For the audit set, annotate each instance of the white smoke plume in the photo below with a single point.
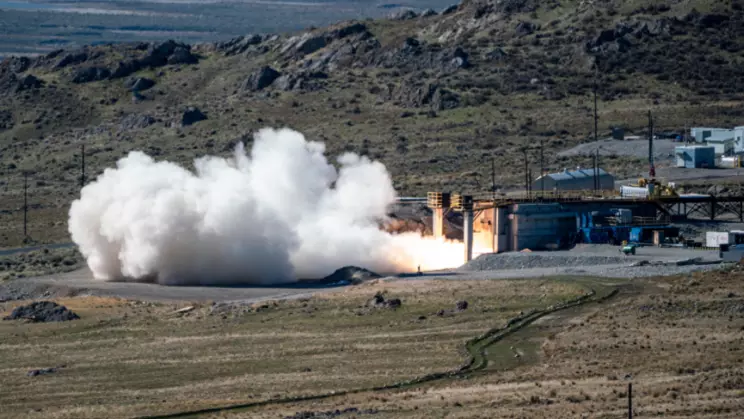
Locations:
(280, 214)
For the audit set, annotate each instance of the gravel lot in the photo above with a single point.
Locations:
(663, 149)
(490, 262)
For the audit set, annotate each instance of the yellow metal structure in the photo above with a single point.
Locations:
(435, 200)
(657, 189)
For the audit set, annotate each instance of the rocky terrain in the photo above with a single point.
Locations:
(435, 96)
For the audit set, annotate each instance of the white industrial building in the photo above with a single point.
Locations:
(702, 135)
(722, 146)
(738, 140)
(723, 140)
(580, 179)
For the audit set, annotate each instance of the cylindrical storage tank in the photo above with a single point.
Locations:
(633, 192)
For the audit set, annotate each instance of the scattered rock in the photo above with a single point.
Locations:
(261, 79)
(42, 311)
(352, 274)
(407, 14)
(71, 59)
(301, 81)
(136, 121)
(525, 28)
(90, 74)
(449, 9)
(497, 54)
(332, 413)
(139, 84)
(43, 371)
(191, 116)
(239, 45)
(379, 301)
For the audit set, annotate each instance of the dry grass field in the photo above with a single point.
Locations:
(126, 358)
(679, 342)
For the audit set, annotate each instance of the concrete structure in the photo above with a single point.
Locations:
(467, 233)
(581, 179)
(722, 146)
(739, 140)
(545, 226)
(695, 157)
(701, 134)
(439, 202)
(618, 133)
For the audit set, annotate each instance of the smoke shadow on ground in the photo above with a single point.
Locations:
(427, 274)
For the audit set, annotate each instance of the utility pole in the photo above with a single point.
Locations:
(597, 185)
(596, 117)
(493, 178)
(542, 168)
(651, 168)
(526, 171)
(82, 166)
(25, 205)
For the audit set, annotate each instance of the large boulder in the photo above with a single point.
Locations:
(351, 274)
(182, 55)
(29, 82)
(42, 311)
(139, 84)
(89, 74)
(18, 64)
(311, 44)
(191, 116)
(126, 68)
(71, 59)
(6, 119)
(525, 28)
(449, 9)
(261, 79)
(348, 30)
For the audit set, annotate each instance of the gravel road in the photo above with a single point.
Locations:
(584, 260)
(81, 282)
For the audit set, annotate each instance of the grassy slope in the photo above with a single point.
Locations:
(502, 109)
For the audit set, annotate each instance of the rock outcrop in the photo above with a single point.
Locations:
(261, 79)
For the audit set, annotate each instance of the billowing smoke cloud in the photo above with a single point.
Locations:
(280, 214)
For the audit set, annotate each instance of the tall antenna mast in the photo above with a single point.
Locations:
(651, 168)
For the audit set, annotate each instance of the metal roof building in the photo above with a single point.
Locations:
(580, 179)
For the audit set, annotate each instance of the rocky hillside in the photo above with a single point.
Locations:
(434, 95)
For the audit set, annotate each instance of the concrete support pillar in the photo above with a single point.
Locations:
(467, 233)
(437, 222)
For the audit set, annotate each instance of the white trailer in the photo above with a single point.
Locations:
(716, 238)
(633, 192)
